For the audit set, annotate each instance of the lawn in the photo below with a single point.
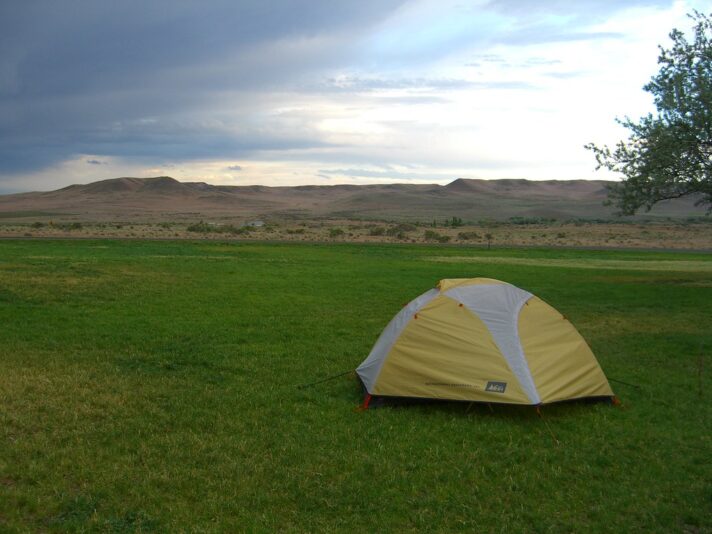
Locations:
(152, 387)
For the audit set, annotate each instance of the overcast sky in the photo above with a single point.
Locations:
(283, 92)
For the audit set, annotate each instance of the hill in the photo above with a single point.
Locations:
(164, 197)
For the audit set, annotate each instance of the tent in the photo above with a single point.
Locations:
(481, 340)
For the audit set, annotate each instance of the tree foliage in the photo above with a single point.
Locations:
(669, 154)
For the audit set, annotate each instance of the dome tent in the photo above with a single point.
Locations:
(482, 340)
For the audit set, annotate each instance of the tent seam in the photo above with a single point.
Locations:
(520, 349)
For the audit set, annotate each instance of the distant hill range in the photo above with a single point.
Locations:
(164, 198)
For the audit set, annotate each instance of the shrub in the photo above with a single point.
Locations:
(335, 232)
(204, 228)
(399, 230)
(531, 220)
(68, 226)
(377, 230)
(466, 236)
(432, 235)
(201, 227)
(454, 222)
(489, 238)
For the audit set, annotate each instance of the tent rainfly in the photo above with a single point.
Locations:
(482, 340)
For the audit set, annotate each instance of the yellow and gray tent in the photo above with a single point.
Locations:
(482, 340)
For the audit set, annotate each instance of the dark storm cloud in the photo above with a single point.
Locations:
(175, 80)
(83, 76)
(68, 46)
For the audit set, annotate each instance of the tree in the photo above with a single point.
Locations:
(669, 154)
(454, 222)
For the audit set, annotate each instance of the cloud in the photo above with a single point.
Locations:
(561, 21)
(529, 36)
(360, 84)
(597, 9)
(410, 89)
(501, 61)
(166, 60)
(89, 88)
(563, 75)
(388, 174)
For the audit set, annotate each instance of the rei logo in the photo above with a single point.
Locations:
(496, 387)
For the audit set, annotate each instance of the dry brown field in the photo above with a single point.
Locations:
(488, 213)
(674, 235)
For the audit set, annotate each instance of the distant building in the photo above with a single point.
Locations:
(255, 224)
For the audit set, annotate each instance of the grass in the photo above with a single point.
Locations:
(629, 264)
(151, 387)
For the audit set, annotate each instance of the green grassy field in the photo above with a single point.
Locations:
(151, 387)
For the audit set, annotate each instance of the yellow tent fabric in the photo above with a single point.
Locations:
(484, 340)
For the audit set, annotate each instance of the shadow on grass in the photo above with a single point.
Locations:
(79, 514)
(500, 411)
(208, 371)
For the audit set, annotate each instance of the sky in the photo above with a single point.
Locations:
(287, 92)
